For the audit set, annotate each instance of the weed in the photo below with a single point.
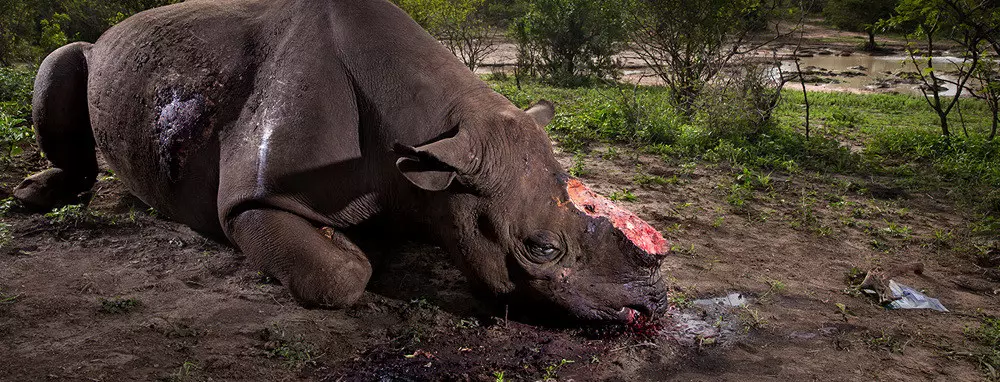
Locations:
(294, 350)
(679, 299)
(676, 227)
(987, 335)
(119, 305)
(879, 245)
(75, 215)
(7, 299)
(421, 303)
(6, 237)
(775, 287)
(887, 342)
(751, 319)
(823, 230)
(805, 214)
(738, 194)
(717, 222)
(578, 169)
(855, 276)
(467, 323)
(681, 250)
(183, 371)
(897, 230)
(8, 205)
(645, 179)
(498, 376)
(551, 371)
(623, 195)
(611, 153)
(943, 238)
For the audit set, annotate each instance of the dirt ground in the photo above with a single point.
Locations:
(130, 296)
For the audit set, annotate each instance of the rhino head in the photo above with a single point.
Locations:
(525, 230)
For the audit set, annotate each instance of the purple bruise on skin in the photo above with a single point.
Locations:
(180, 128)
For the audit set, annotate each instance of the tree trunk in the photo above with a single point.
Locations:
(944, 124)
(993, 130)
(871, 41)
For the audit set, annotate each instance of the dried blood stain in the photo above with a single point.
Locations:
(635, 229)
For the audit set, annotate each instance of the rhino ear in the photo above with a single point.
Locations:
(434, 166)
(542, 112)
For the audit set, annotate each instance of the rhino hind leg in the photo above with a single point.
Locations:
(62, 128)
(321, 270)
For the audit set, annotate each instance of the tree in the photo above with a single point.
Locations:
(459, 24)
(30, 28)
(687, 44)
(859, 16)
(933, 20)
(982, 19)
(567, 40)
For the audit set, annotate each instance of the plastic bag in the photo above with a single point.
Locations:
(905, 297)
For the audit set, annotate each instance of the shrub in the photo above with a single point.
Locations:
(687, 44)
(568, 41)
(459, 24)
(15, 110)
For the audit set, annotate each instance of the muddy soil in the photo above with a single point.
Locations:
(125, 295)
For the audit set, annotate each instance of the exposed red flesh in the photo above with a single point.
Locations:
(635, 229)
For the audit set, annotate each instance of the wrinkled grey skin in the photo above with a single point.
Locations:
(262, 120)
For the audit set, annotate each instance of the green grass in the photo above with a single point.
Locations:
(891, 135)
(119, 305)
(987, 335)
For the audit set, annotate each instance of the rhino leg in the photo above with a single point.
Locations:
(320, 271)
(62, 127)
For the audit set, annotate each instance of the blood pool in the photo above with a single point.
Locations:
(635, 229)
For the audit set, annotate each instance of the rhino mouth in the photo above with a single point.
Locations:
(629, 315)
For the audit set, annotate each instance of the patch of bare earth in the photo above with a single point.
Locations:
(198, 313)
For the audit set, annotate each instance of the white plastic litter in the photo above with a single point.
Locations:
(905, 297)
(732, 300)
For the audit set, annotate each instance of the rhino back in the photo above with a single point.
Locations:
(162, 85)
(174, 90)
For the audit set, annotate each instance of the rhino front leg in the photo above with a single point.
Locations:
(321, 272)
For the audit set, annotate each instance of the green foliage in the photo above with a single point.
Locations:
(988, 337)
(623, 195)
(689, 43)
(119, 305)
(16, 84)
(294, 350)
(13, 134)
(52, 36)
(30, 29)
(459, 24)
(552, 371)
(569, 41)
(75, 215)
(6, 237)
(15, 110)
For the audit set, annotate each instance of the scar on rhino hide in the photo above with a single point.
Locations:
(635, 229)
(180, 127)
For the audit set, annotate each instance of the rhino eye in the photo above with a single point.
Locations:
(543, 247)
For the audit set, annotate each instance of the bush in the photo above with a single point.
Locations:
(687, 44)
(459, 24)
(15, 110)
(567, 41)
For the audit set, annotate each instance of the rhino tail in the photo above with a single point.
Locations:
(61, 120)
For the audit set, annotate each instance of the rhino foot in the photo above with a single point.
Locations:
(321, 268)
(50, 188)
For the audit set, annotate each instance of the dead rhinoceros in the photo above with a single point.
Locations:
(262, 120)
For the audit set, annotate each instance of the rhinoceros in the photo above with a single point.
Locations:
(264, 122)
